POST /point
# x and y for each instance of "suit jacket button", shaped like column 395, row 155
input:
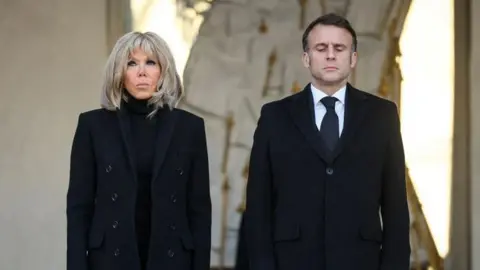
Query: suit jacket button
column 115, row 224
column 180, row 171
column 172, row 227
column 329, row 171
column 108, row 168
column 114, row 196
column 170, row 253
column 173, row 198
column 116, row 253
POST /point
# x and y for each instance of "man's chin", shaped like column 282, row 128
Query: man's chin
column 332, row 80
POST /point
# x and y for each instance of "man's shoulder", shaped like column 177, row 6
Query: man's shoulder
column 280, row 105
column 378, row 101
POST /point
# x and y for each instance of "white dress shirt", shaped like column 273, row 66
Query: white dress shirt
column 320, row 109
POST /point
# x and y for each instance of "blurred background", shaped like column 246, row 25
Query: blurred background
column 235, row 55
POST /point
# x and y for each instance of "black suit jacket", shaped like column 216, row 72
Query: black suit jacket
column 311, row 210
column 102, row 190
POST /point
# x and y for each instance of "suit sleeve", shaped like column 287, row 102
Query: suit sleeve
column 80, row 196
column 199, row 203
column 258, row 214
column 394, row 208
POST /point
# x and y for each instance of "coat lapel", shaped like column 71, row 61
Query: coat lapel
column 355, row 109
column 166, row 123
column 303, row 115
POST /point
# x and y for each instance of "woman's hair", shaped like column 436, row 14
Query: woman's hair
column 169, row 87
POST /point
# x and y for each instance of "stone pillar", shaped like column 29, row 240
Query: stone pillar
column 460, row 256
column 474, row 119
column 475, row 132
column 467, row 128
column 53, row 52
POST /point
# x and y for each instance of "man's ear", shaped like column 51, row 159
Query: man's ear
column 353, row 59
column 306, row 60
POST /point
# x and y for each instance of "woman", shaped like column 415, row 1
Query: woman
column 138, row 196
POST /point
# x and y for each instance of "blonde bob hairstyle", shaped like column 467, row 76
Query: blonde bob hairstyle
column 169, row 87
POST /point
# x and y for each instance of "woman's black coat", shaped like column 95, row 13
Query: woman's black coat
column 102, row 194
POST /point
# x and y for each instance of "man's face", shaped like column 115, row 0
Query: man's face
column 329, row 56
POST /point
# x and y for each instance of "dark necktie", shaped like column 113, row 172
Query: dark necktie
column 329, row 127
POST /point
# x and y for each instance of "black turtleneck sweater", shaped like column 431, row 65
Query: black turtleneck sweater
column 143, row 134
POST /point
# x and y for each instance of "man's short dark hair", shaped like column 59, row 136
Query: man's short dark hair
column 334, row 20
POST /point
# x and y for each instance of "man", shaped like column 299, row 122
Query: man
column 326, row 187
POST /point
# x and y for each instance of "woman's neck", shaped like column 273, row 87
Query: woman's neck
column 137, row 106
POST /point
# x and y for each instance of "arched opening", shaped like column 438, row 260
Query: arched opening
column 427, row 65
column 427, row 88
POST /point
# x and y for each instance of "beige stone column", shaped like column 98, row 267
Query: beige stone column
column 474, row 136
column 465, row 235
column 52, row 52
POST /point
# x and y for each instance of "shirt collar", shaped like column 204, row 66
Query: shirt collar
column 319, row 94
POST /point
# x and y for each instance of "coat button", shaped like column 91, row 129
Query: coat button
column 116, row 253
column 114, row 197
column 172, row 227
column 170, row 253
column 329, row 171
column 180, row 171
column 173, row 198
column 115, row 224
column 108, row 168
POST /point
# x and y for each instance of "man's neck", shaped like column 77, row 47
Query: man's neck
column 329, row 89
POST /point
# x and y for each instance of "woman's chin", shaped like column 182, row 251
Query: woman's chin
column 142, row 94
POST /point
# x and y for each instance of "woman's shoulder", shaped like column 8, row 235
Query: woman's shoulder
column 95, row 113
column 96, row 116
column 189, row 117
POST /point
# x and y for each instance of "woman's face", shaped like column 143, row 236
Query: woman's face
column 142, row 75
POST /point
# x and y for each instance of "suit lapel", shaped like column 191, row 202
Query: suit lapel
column 124, row 123
column 355, row 109
column 303, row 115
column 166, row 123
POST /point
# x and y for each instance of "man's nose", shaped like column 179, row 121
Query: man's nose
column 330, row 52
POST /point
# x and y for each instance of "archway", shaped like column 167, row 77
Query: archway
column 427, row 67
column 227, row 46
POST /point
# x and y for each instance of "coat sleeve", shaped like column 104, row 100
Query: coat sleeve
column 394, row 207
column 80, row 196
column 258, row 214
column 199, row 203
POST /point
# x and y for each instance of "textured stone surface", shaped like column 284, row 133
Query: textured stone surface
column 228, row 66
column 53, row 56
